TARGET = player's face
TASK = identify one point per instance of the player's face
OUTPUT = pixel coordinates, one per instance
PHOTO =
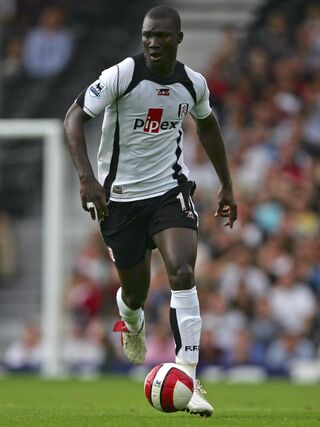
(160, 41)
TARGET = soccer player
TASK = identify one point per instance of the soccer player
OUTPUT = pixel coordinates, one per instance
(142, 197)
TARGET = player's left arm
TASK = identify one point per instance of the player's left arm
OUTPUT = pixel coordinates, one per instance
(210, 136)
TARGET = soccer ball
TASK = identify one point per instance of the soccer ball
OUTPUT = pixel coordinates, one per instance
(168, 387)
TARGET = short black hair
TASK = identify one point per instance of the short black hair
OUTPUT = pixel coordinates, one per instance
(164, 12)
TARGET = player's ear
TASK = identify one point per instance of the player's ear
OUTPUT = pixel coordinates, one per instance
(180, 37)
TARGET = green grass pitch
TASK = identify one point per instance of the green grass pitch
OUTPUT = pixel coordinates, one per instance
(120, 402)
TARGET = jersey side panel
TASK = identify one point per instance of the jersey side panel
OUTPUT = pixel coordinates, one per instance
(108, 154)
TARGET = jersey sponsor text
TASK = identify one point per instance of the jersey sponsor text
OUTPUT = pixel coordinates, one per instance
(153, 123)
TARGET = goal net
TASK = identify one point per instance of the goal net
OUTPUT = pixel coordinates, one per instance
(50, 132)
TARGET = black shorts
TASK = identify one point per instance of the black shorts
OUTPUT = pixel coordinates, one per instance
(129, 227)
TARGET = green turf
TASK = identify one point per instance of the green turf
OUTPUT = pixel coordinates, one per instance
(119, 402)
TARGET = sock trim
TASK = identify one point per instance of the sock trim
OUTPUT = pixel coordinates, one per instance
(175, 329)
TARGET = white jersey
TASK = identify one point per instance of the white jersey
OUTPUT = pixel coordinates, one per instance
(140, 154)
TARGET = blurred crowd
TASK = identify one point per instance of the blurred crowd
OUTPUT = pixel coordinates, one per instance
(258, 284)
(46, 42)
(38, 42)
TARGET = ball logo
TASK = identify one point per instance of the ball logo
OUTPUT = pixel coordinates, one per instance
(153, 122)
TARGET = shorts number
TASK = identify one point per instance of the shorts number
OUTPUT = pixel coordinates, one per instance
(183, 205)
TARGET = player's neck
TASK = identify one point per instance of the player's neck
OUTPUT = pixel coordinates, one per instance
(162, 70)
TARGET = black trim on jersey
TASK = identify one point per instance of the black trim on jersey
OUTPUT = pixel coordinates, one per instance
(80, 99)
(175, 329)
(114, 161)
(141, 72)
(176, 167)
(115, 153)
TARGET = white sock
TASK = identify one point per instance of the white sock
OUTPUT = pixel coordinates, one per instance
(185, 323)
(133, 319)
(190, 369)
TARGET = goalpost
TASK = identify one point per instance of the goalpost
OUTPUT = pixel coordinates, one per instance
(51, 133)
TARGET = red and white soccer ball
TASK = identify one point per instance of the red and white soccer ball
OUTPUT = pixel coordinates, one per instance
(168, 387)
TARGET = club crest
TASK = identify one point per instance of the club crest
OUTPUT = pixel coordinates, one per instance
(183, 110)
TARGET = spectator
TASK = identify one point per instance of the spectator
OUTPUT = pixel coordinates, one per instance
(257, 71)
(240, 270)
(292, 303)
(243, 351)
(275, 36)
(286, 349)
(25, 354)
(91, 260)
(263, 327)
(273, 256)
(218, 316)
(48, 47)
(84, 298)
(247, 229)
(84, 351)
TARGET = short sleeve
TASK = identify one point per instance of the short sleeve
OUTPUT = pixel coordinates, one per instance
(202, 108)
(100, 93)
(107, 89)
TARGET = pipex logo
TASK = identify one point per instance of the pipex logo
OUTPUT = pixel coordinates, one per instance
(153, 123)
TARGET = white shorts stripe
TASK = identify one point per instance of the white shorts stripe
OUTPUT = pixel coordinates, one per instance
(194, 210)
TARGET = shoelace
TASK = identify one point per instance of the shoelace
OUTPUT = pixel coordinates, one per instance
(135, 334)
(199, 388)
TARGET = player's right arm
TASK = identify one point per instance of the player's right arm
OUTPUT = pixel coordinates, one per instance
(89, 104)
(91, 191)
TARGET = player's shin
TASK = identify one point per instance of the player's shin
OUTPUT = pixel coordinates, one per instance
(133, 319)
(185, 323)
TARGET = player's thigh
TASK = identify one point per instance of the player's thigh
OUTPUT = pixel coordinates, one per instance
(174, 228)
(125, 232)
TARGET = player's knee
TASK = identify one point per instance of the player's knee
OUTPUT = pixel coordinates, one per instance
(183, 278)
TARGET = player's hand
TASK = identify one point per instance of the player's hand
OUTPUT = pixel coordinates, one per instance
(227, 206)
(94, 198)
